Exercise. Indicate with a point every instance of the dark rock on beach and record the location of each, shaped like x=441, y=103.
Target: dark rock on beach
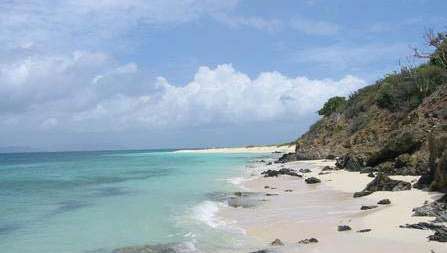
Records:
x=368, y=207
x=343, y=228
x=364, y=230
x=437, y=209
x=307, y=241
x=312, y=180
x=384, y=202
x=305, y=170
x=289, y=157
x=283, y=171
x=440, y=234
x=383, y=183
x=350, y=162
x=277, y=242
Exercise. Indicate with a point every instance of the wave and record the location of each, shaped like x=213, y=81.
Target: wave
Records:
x=206, y=212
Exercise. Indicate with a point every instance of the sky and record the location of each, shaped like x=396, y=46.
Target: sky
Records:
x=134, y=74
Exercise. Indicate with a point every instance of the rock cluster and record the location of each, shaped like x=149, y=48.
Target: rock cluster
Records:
x=440, y=234
x=283, y=171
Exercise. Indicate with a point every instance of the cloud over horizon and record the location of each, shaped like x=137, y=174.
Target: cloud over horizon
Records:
x=90, y=91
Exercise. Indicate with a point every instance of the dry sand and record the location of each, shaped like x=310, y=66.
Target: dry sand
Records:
x=251, y=149
x=316, y=211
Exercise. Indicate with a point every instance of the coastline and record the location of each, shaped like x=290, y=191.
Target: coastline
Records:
x=314, y=211
x=248, y=149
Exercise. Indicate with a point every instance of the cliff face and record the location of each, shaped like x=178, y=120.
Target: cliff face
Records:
x=396, y=126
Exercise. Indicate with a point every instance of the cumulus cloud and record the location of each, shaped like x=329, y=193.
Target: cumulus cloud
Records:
x=90, y=91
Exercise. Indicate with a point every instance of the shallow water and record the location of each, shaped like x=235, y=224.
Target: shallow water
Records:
x=99, y=201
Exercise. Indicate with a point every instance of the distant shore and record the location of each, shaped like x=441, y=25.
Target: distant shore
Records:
x=293, y=210
x=248, y=149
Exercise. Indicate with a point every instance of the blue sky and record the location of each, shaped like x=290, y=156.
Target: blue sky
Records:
x=169, y=73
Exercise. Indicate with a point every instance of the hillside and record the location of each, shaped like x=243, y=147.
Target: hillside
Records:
x=396, y=126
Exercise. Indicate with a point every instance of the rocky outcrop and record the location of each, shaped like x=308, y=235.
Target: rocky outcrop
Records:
x=383, y=183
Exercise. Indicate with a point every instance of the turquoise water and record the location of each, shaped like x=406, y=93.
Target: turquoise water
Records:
x=99, y=201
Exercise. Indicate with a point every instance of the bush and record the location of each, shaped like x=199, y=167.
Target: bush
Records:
x=335, y=104
x=406, y=90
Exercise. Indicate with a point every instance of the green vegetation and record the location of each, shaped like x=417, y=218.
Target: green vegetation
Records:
x=334, y=104
x=399, y=92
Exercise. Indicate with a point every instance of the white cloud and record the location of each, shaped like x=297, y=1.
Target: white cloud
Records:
x=58, y=92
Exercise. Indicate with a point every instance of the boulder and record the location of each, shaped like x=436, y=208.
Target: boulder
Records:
x=350, y=162
x=312, y=180
x=305, y=170
x=368, y=207
x=383, y=183
x=343, y=228
x=364, y=230
x=289, y=157
x=384, y=202
x=277, y=242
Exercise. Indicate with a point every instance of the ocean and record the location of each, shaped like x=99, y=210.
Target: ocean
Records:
x=97, y=202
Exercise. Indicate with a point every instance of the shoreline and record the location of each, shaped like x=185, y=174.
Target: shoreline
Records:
x=314, y=211
x=248, y=149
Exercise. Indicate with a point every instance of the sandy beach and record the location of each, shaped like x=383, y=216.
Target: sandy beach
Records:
x=248, y=149
x=293, y=211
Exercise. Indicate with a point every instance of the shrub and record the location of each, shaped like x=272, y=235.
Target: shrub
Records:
x=334, y=104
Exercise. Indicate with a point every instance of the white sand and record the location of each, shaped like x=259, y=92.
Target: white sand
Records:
x=251, y=149
x=317, y=210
